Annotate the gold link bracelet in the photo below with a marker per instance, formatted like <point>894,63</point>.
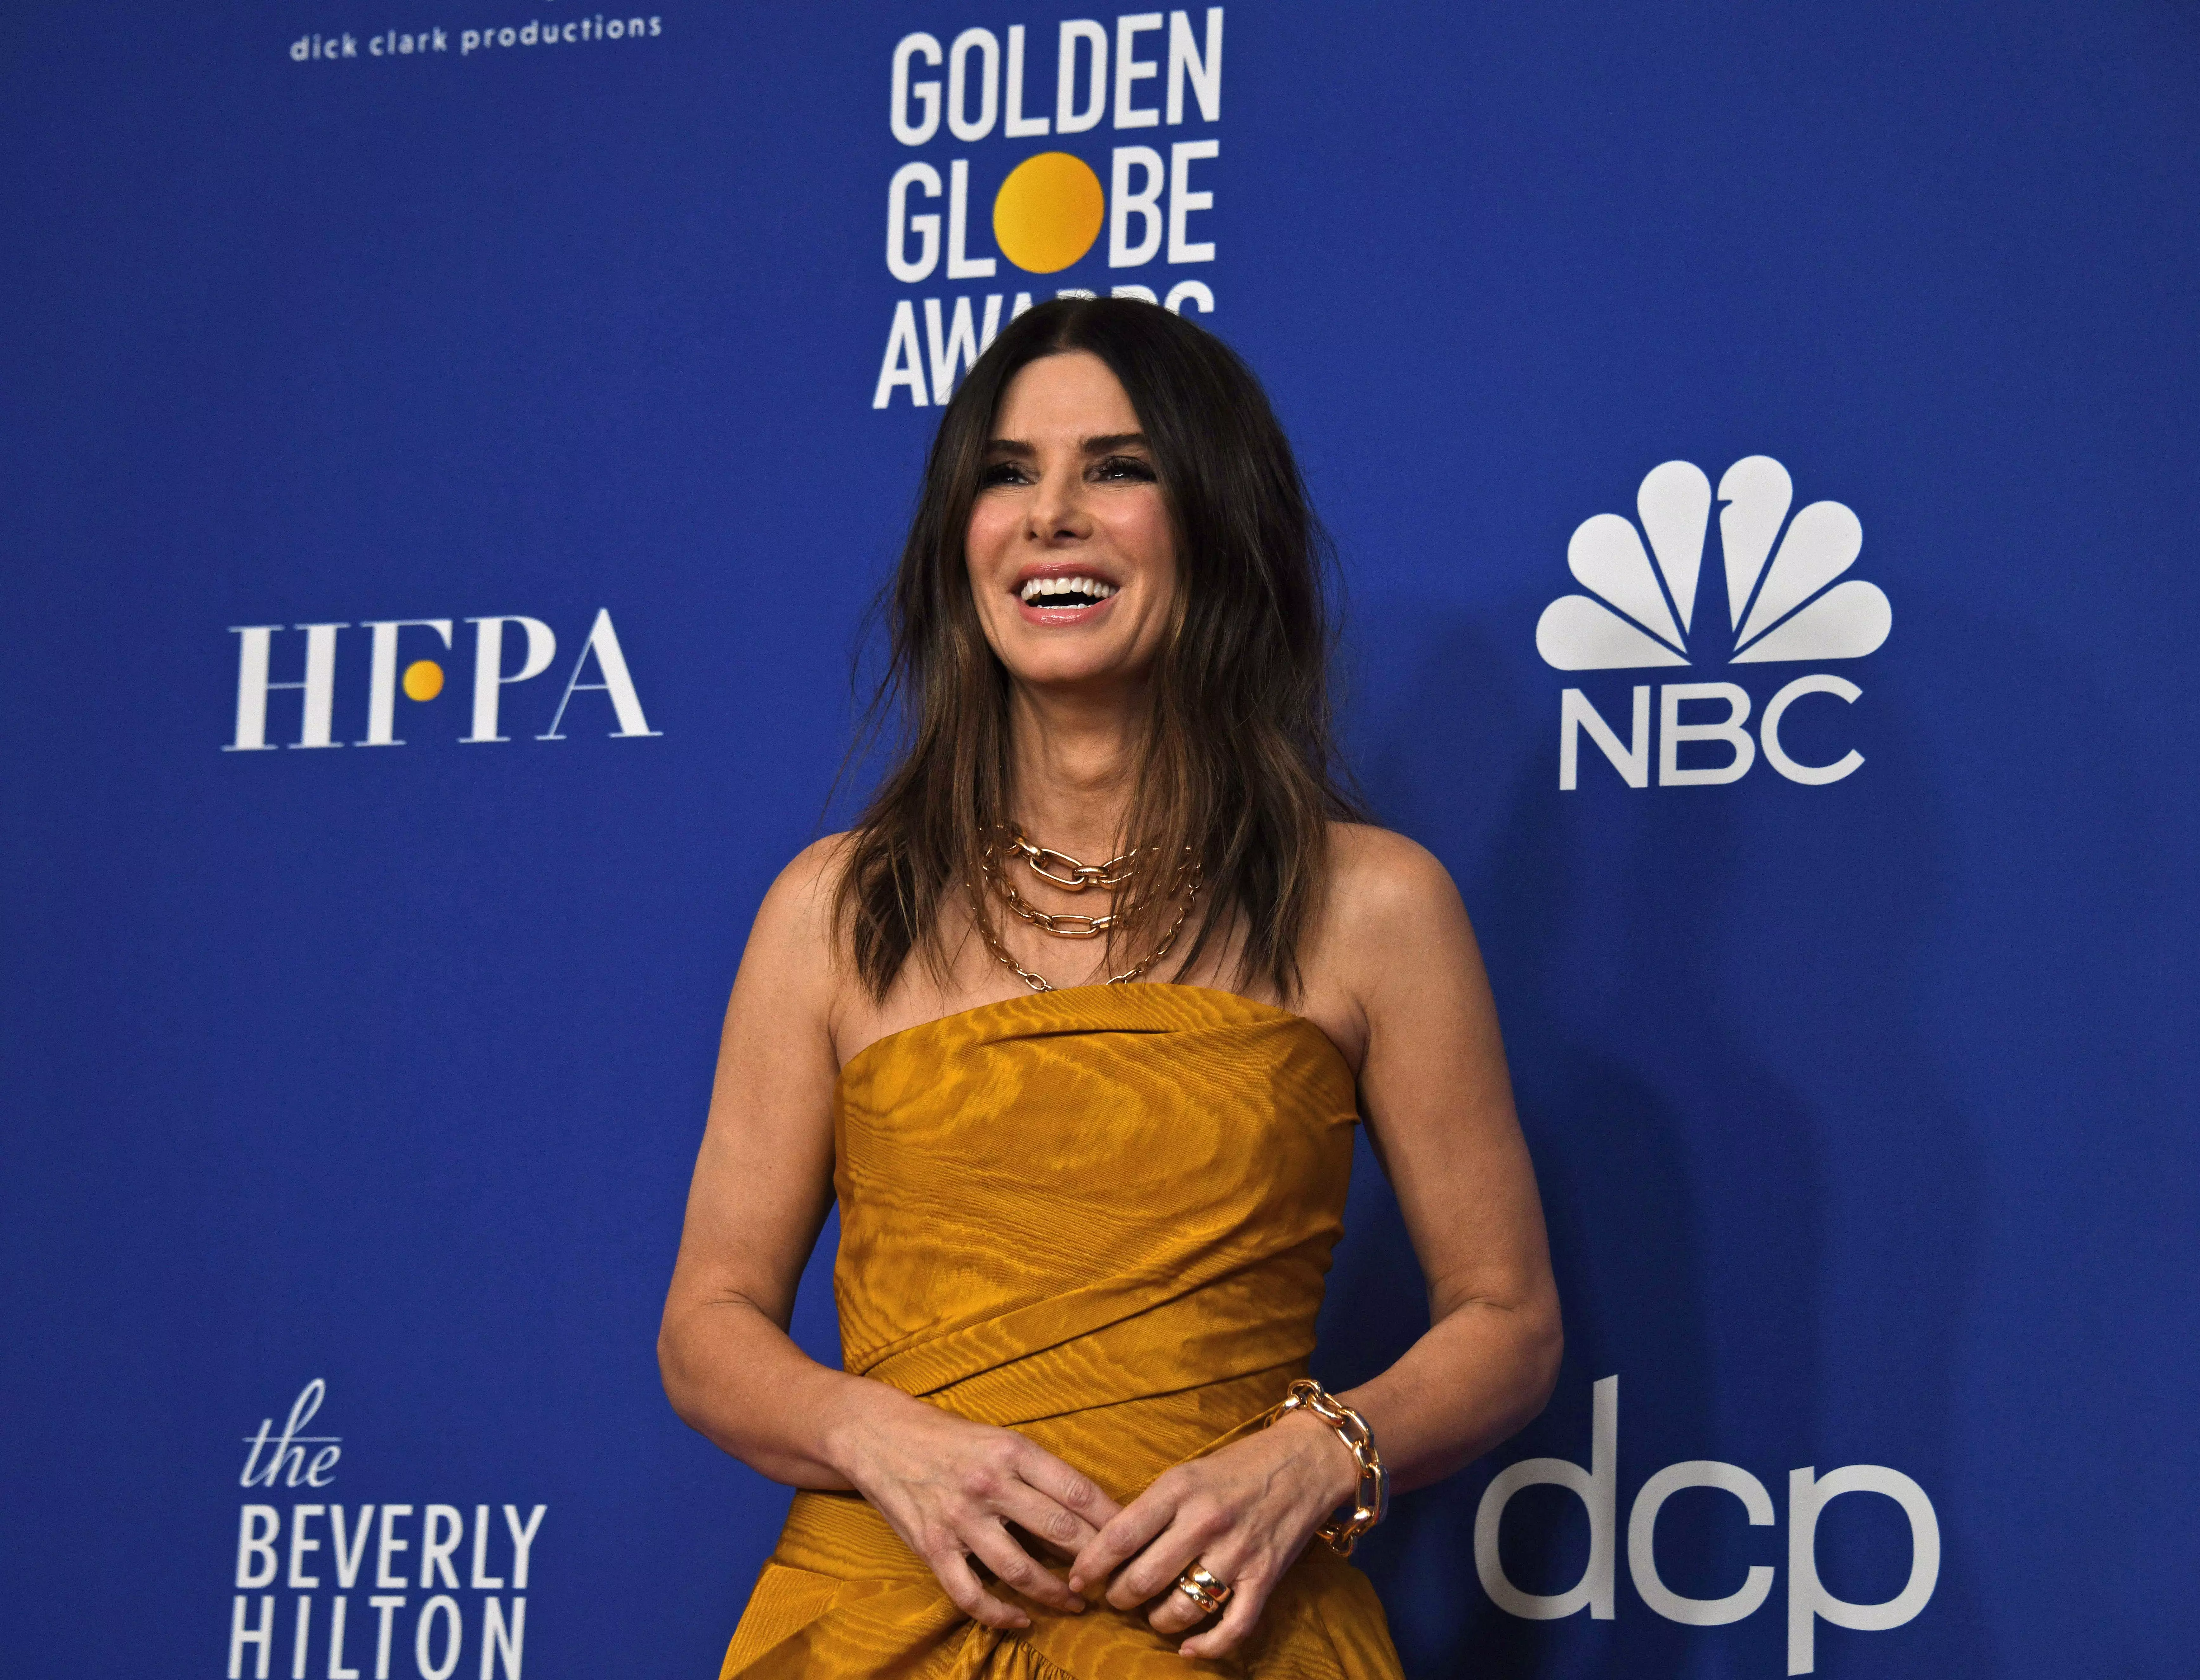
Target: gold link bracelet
<point>1372,1500</point>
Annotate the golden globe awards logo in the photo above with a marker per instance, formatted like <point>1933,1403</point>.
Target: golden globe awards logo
<point>344,1590</point>
<point>507,649</point>
<point>1006,199</point>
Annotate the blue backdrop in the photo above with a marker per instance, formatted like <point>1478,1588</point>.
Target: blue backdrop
<point>354,1088</point>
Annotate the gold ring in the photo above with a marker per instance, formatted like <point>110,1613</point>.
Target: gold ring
<point>1203,1589</point>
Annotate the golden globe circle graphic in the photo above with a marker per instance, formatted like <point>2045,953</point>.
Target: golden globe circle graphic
<point>424,680</point>
<point>1048,212</point>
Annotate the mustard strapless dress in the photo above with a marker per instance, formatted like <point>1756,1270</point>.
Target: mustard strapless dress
<point>1101,1217</point>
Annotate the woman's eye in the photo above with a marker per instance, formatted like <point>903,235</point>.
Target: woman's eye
<point>1002,472</point>
<point>1125,466</point>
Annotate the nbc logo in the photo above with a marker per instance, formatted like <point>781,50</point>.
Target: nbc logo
<point>1783,606</point>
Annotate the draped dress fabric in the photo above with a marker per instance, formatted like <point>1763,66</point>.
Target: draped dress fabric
<point>1100,1217</point>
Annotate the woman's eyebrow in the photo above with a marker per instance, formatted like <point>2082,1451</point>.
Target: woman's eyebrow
<point>1115,440</point>
<point>1008,446</point>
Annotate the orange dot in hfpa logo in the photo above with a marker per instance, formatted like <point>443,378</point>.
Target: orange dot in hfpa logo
<point>422,680</point>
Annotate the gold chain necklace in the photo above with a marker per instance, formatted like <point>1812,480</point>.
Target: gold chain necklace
<point>1116,873</point>
<point>1110,875</point>
<point>1107,876</point>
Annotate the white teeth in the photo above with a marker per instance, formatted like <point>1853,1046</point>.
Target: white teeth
<point>1090,587</point>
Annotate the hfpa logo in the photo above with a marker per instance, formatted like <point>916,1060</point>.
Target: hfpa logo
<point>1597,1486</point>
<point>422,680</point>
<point>1641,615</point>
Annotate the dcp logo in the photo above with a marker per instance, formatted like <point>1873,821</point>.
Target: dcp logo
<point>1808,1600</point>
<point>1638,615</point>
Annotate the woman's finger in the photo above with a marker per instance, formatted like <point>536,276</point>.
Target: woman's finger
<point>1227,1558</point>
<point>1053,1525</point>
<point>1073,1491</point>
<point>1198,1526</point>
<point>969,1594</point>
<point>1122,1536</point>
<point>1016,1568</point>
<point>1058,1507</point>
<point>1175,1613</point>
<point>1238,1616</point>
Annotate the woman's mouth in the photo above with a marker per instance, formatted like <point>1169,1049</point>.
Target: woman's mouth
<point>1064,599</point>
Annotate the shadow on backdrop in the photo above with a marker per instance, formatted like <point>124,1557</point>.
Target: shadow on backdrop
<point>1683,1176</point>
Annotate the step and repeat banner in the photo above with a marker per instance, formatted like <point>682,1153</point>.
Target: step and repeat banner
<point>450,452</point>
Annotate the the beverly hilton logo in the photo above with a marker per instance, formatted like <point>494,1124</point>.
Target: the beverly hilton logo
<point>371,1585</point>
<point>1782,604</point>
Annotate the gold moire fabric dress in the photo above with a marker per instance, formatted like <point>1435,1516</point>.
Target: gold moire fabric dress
<point>1100,1217</point>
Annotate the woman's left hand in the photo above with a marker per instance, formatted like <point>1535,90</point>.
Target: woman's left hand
<point>1244,1514</point>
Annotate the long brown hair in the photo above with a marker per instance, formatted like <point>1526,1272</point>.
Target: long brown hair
<point>1236,760</point>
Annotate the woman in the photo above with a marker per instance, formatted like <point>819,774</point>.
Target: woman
<point>1088,1186</point>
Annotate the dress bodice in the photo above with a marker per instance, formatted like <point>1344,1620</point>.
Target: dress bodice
<point>1102,1217</point>
<point>1090,1196</point>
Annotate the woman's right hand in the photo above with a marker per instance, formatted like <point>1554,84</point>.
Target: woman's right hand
<point>951,1487</point>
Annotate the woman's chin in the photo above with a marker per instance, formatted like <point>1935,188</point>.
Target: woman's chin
<point>1060,672</point>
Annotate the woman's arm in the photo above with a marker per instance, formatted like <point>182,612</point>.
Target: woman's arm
<point>1438,1104</point>
<point>1397,956</point>
<point>761,1188</point>
<point>762,1185</point>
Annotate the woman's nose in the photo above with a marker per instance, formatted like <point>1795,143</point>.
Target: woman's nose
<point>1058,510</point>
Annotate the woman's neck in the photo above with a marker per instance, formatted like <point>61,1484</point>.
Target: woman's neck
<point>1073,758</point>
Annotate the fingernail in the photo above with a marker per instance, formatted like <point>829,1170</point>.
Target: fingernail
<point>1077,1584</point>
<point>1077,1607</point>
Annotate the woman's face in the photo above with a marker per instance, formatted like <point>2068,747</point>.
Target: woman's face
<point>1072,550</point>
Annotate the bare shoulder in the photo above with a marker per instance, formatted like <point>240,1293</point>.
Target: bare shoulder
<point>806,886</point>
<point>792,942</point>
<point>1382,880</point>
<point>1394,931</point>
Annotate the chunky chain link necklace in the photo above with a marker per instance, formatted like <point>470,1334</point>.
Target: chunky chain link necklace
<point>1107,876</point>
<point>1116,873</point>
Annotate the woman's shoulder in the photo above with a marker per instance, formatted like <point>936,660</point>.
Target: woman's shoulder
<point>1394,926</point>
<point>794,927</point>
<point>1376,873</point>
<point>1389,908</point>
<point>1390,900</point>
<point>816,869</point>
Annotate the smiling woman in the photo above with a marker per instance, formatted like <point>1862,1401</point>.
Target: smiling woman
<point>1086,1214</point>
<point>1115,442</point>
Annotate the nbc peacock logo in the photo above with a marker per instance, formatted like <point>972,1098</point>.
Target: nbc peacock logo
<point>1637,615</point>
<point>1786,600</point>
